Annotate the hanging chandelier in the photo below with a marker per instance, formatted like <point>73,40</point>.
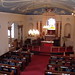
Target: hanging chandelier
<point>33,32</point>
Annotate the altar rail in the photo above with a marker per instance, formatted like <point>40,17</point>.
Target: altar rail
<point>52,49</point>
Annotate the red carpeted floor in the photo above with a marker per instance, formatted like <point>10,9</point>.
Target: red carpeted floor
<point>37,65</point>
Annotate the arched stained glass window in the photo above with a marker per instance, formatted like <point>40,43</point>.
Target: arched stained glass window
<point>51,24</point>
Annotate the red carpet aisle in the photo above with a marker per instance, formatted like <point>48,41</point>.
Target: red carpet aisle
<point>37,66</point>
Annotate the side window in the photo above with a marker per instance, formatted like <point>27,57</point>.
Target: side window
<point>12,30</point>
<point>10,33</point>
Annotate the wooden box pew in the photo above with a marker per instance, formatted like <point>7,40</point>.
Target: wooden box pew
<point>21,64</point>
<point>57,57</point>
<point>20,53</point>
<point>6,73</point>
<point>18,59</point>
<point>17,56</point>
<point>60,62</point>
<point>60,50</point>
<point>56,62</point>
<point>14,57</point>
<point>67,58</point>
<point>8,68</point>
<point>12,62</point>
<point>23,54</point>
<point>57,50</point>
<point>50,72</point>
<point>25,49</point>
<point>69,50</point>
<point>13,53</point>
<point>61,68</point>
<point>27,55</point>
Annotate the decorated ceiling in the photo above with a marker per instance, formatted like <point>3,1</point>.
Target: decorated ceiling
<point>38,7</point>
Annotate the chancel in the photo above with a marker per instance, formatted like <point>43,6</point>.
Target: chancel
<point>37,38</point>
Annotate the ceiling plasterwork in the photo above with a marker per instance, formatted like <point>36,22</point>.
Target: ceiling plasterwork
<point>29,6</point>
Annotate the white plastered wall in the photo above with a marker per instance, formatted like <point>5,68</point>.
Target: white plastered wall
<point>26,21</point>
<point>5,18</point>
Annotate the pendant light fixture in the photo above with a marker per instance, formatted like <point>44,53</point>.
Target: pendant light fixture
<point>33,32</point>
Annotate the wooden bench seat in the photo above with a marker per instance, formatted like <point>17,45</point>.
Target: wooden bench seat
<point>6,73</point>
<point>14,61</point>
<point>24,56</point>
<point>60,65</point>
<point>61,68</point>
<point>9,68</point>
<point>50,72</point>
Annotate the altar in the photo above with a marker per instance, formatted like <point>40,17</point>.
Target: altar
<point>47,43</point>
<point>49,37</point>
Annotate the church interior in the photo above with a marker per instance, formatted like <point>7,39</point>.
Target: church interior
<point>37,37</point>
